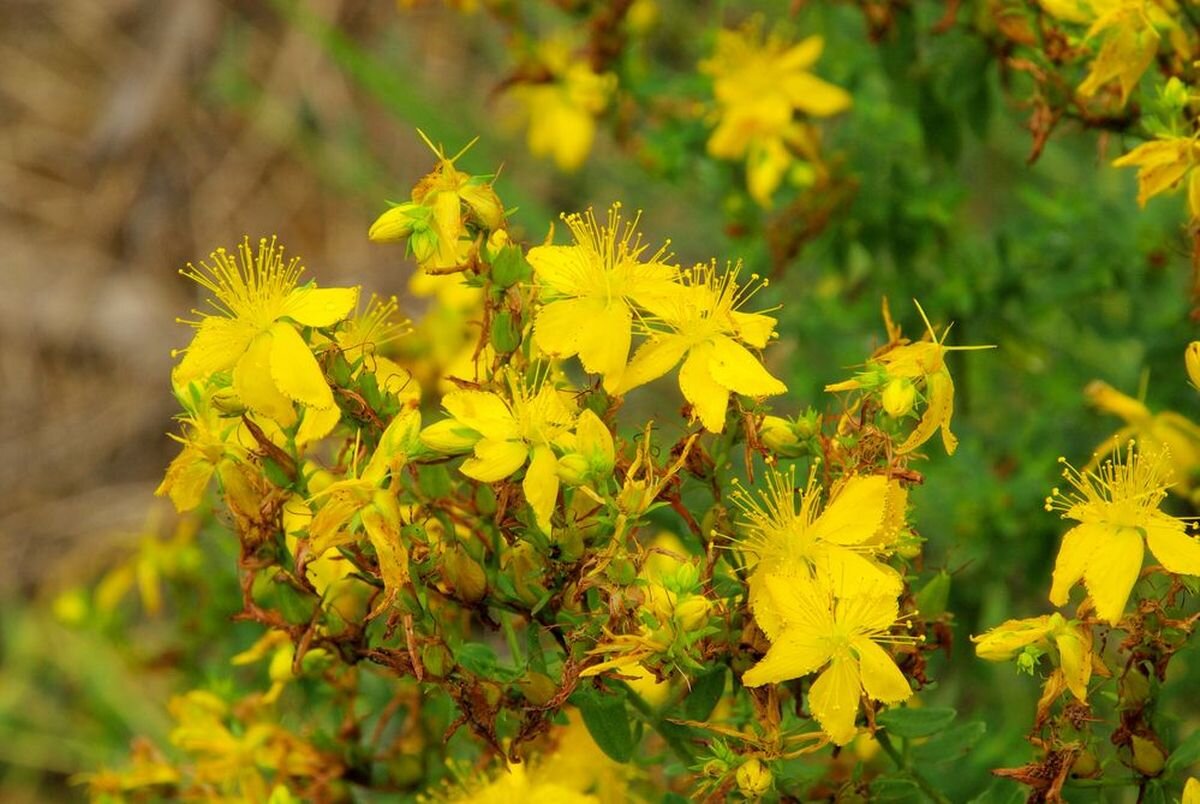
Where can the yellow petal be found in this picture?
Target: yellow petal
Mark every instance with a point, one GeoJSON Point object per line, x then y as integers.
{"type": "Point", "coordinates": [881, 678]}
{"type": "Point", "coordinates": [1072, 560]}
{"type": "Point", "coordinates": [319, 307]}
{"type": "Point", "coordinates": [560, 268]}
{"type": "Point", "coordinates": [813, 96]}
{"type": "Point", "coordinates": [939, 392]}
{"type": "Point", "coordinates": [541, 485]}
{"type": "Point", "coordinates": [495, 460]}
{"type": "Point", "coordinates": [294, 370]}
{"type": "Point", "coordinates": [1191, 791]}
{"type": "Point", "coordinates": [1172, 547]}
{"type": "Point", "coordinates": [754, 329]}
{"type": "Point", "coordinates": [834, 699]}
{"type": "Point", "coordinates": [653, 359]}
{"type": "Point", "coordinates": [734, 367]}
{"type": "Point", "coordinates": [856, 513]}
{"type": "Point", "coordinates": [709, 399]}
{"type": "Point", "coordinates": [1076, 660]}
{"type": "Point", "coordinates": [253, 385]}
{"type": "Point", "coordinates": [399, 440]}
{"type": "Point", "coordinates": [186, 479]}
{"type": "Point", "coordinates": [217, 345]}
{"type": "Point", "coordinates": [317, 424]}
{"type": "Point", "coordinates": [867, 613]}
{"type": "Point", "coordinates": [793, 602]}
{"type": "Point", "coordinates": [802, 55]}
{"type": "Point", "coordinates": [850, 573]}
{"type": "Point", "coordinates": [1111, 571]}
{"type": "Point", "coordinates": [796, 653]}
{"type": "Point", "coordinates": [482, 411]}
{"type": "Point", "coordinates": [604, 345]}
{"type": "Point", "coordinates": [382, 523]}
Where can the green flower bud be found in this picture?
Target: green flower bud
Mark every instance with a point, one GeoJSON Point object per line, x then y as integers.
{"type": "Point", "coordinates": [1148, 758]}
{"type": "Point", "coordinates": [509, 267]}
{"type": "Point", "coordinates": [464, 574]}
{"type": "Point", "coordinates": [506, 333]}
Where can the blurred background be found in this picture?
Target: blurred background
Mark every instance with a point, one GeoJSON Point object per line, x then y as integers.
{"type": "Point", "coordinates": [136, 136]}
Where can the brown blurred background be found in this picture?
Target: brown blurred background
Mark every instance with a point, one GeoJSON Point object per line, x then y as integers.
{"type": "Point", "coordinates": [136, 136]}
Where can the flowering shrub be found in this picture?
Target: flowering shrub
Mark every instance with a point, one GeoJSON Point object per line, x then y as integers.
{"type": "Point", "coordinates": [570, 536]}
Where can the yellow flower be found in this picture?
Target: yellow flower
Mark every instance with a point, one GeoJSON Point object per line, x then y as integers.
{"type": "Point", "coordinates": [361, 339]}
{"type": "Point", "coordinates": [437, 222]}
{"type": "Point", "coordinates": [590, 288]}
{"type": "Point", "coordinates": [922, 362]}
{"type": "Point", "coordinates": [1162, 164]}
{"type": "Point", "coordinates": [562, 110]}
{"type": "Point", "coordinates": [208, 440]}
{"type": "Point", "coordinates": [759, 86]}
{"type": "Point", "coordinates": [703, 326]}
{"type": "Point", "coordinates": [376, 509]}
{"type": "Point", "coordinates": [1117, 507]}
{"type": "Point", "coordinates": [813, 630]}
{"type": "Point", "coordinates": [839, 545]}
{"type": "Point", "coordinates": [1073, 642]}
{"type": "Point", "coordinates": [254, 330]}
{"type": "Point", "coordinates": [1168, 429]}
{"type": "Point", "coordinates": [506, 434]}
{"type": "Point", "coordinates": [1130, 43]}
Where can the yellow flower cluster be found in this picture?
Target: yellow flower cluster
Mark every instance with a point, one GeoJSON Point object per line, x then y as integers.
{"type": "Point", "coordinates": [759, 87]}
{"type": "Point", "coordinates": [821, 593]}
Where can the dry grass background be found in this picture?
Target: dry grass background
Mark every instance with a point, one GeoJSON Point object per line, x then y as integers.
{"type": "Point", "coordinates": [136, 135]}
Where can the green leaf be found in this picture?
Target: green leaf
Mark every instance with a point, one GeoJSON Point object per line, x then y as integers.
{"type": "Point", "coordinates": [706, 692]}
{"type": "Point", "coordinates": [951, 744]}
{"type": "Point", "coordinates": [1186, 754]}
{"type": "Point", "coordinates": [895, 788]}
{"type": "Point", "coordinates": [607, 720]}
{"type": "Point", "coordinates": [911, 723]}
{"type": "Point", "coordinates": [477, 658]}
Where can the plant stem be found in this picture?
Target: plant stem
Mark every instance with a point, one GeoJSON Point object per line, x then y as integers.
{"type": "Point", "coordinates": [659, 725]}
{"type": "Point", "coordinates": [885, 743]}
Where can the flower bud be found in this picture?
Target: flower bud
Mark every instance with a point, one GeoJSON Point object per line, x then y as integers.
{"type": "Point", "coordinates": [1148, 758]}
{"type": "Point", "coordinates": [898, 397]}
{"type": "Point", "coordinates": [450, 437]}
{"type": "Point", "coordinates": [1191, 359]}
{"type": "Point", "coordinates": [574, 469]}
{"type": "Point", "coordinates": [509, 266]}
{"type": "Point", "coordinates": [538, 688]}
{"type": "Point", "coordinates": [464, 574]}
{"type": "Point", "coordinates": [398, 223]}
{"type": "Point", "coordinates": [692, 613]}
{"type": "Point", "coordinates": [753, 778]}
{"type": "Point", "coordinates": [778, 435]}
{"type": "Point", "coordinates": [436, 660]}
{"type": "Point", "coordinates": [506, 333]}
{"type": "Point", "coordinates": [1086, 766]}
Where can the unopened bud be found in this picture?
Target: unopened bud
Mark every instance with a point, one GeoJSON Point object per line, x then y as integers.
{"type": "Point", "coordinates": [778, 435]}
{"type": "Point", "coordinates": [538, 688]}
{"type": "Point", "coordinates": [1148, 758]}
{"type": "Point", "coordinates": [506, 333]}
{"type": "Point", "coordinates": [398, 223]}
{"type": "Point", "coordinates": [1085, 766]}
{"type": "Point", "coordinates": [509, 266]}
{"type": "Point", "coordinates": [753, 778]}
{"type": "Point", "coordinates": [898, 397]}
{"type": "Point", "coordinates": [1191, 359]}
{"type": "Point", "coordinates": [450, 437]}
{"type": "Point", "coordinates": [692, 613]}
{"type": "Point", "coordinates": [464, 574]}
